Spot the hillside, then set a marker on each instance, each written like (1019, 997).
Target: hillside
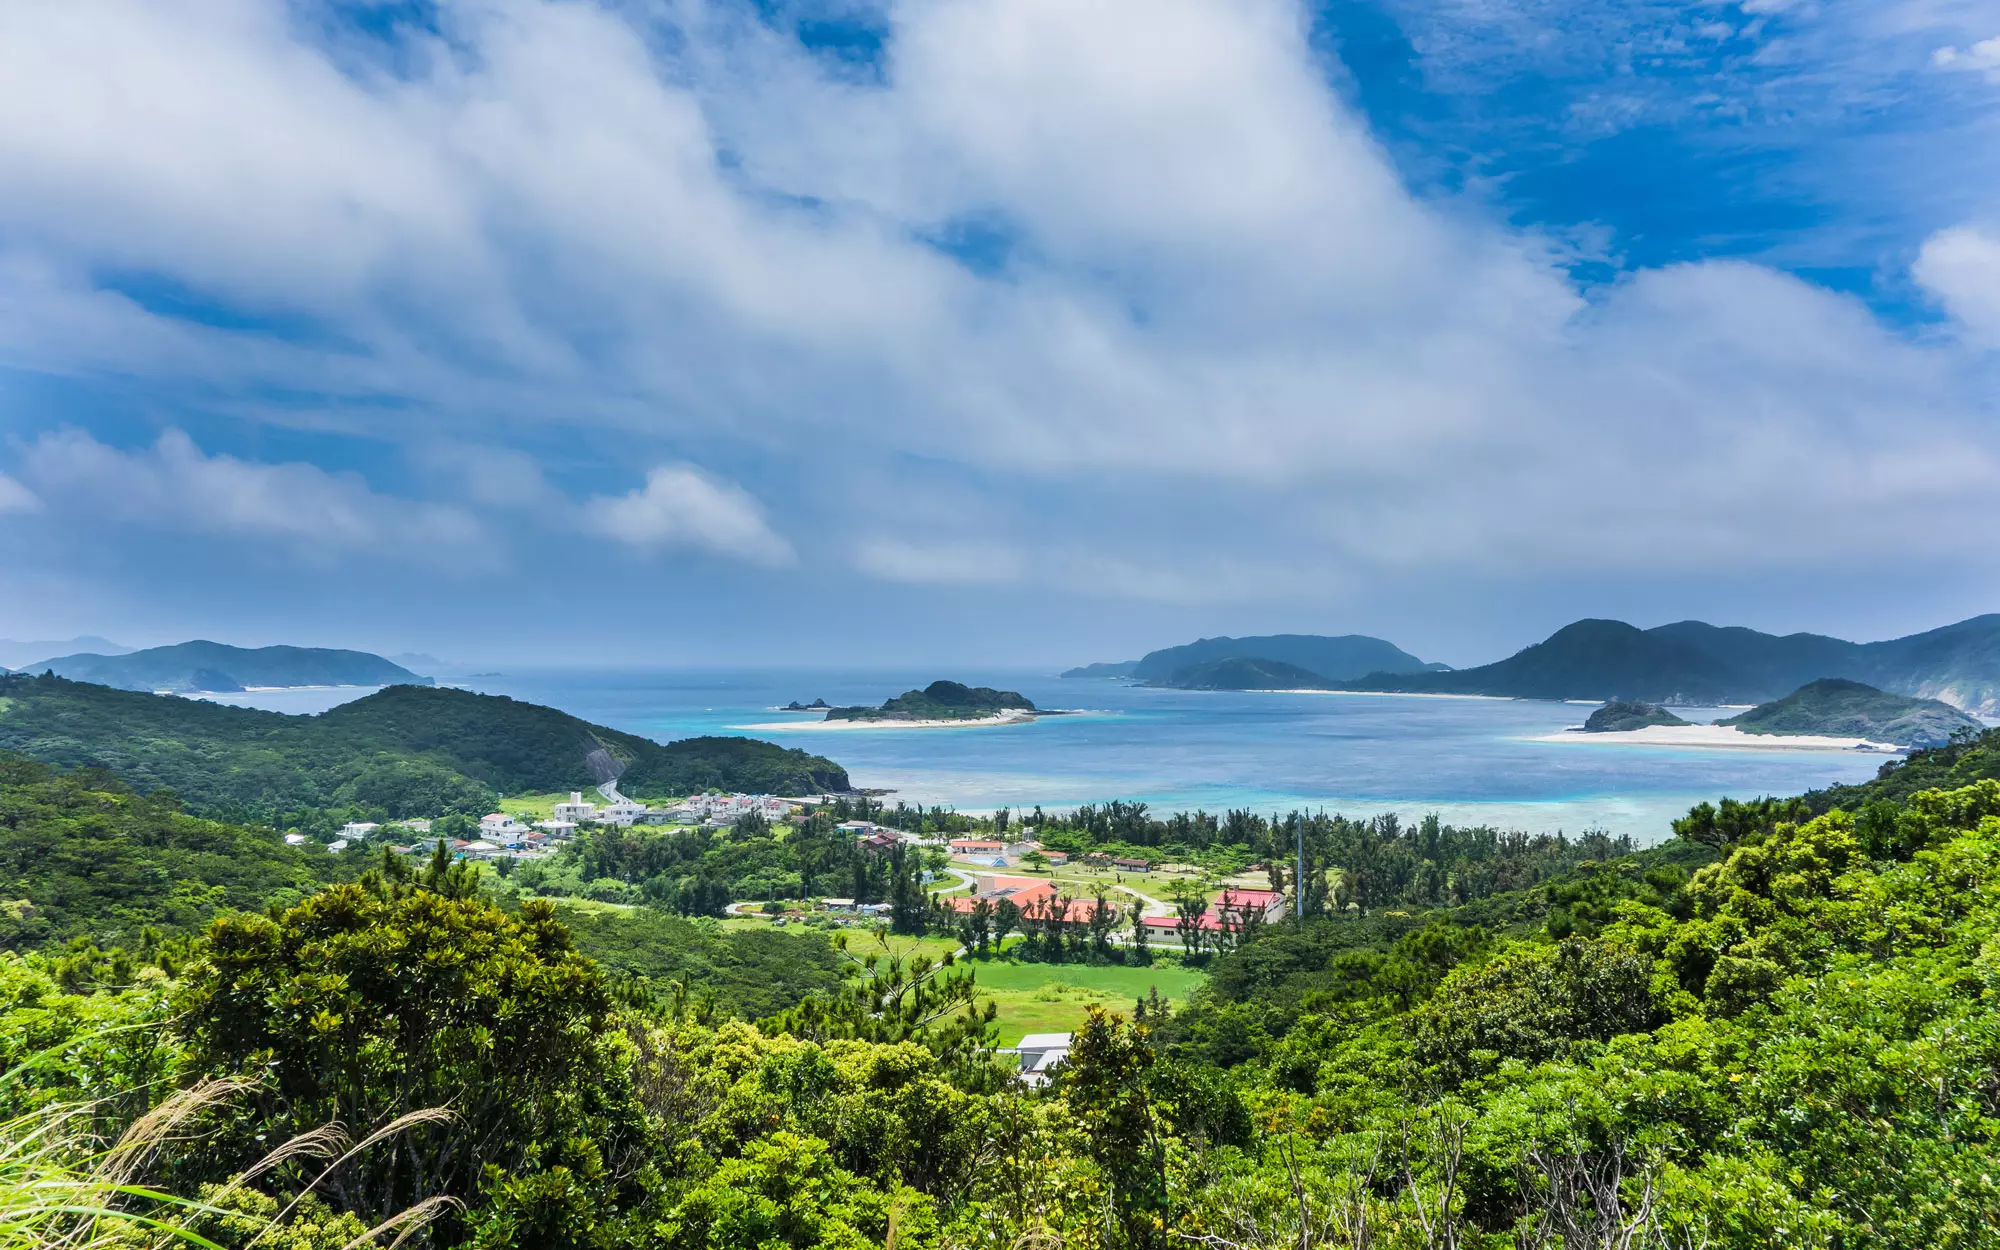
(1622, 715)
(1691, 662)
(941, 700)
(82, 854)
(1340, 658)
(406, 751)
(214, 666)
(1102, 670)
(14, 653)
(1848, 709)
(1241, 673)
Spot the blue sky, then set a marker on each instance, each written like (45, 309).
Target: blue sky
(697, 331)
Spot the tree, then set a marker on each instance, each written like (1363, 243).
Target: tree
(1035, 861)
(1105, 1084)
(368, 1002)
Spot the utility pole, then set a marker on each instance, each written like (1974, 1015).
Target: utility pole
(1299, 876)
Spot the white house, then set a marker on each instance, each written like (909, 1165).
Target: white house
(557, 828)
(623, 812)
(336, 846)
(576, 809)
(500, 825)
(480, 850)
(1039, 1052)
(359, 829)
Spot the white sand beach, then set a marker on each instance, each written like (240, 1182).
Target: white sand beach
(1727, 737)
(796, 726)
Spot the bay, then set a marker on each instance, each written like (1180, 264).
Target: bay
(1471, 761)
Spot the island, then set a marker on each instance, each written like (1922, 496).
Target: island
(1241, 672)
(943, 702)
(817, 705)
(1624, 715)
(1322, 659)
(203, 667)
(1837, 708)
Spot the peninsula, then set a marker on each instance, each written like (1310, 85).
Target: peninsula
(1835, 708)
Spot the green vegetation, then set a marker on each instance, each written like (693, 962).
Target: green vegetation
(941, 700)
(1341, 658)
(1777, 1029)
(213, 666)
(406, 751)
(1848, 709)
(1621, 715)
(1696, 663)
(1241, 672)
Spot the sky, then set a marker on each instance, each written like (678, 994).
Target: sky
(1010, 331)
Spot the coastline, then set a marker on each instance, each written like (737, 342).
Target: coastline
(1721, 737)
(818, 726)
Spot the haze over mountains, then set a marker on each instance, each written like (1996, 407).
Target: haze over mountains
(1689, 662)
(202, 667)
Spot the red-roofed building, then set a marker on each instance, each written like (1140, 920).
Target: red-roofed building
(1234, 909)
(1035, 896)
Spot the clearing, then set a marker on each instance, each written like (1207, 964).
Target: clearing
(1055, 998)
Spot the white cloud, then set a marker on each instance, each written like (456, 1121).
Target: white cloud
(15, 497)
(1209, 285)
(1962, 268)
(682, 508)
(175, 485)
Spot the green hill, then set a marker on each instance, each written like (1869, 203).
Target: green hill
(1692, 662)
(406, 750)
(1848, 709)
(1241, 673)
(941, 700)
(214, 666)
(1339, 658)
(1621, 715)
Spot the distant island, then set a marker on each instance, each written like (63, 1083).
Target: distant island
(1694, 663)
(1322, 659)
(211, 667)
(1625, 715)
(814, 706)
(16, 654)
(1242, 673)
(943, 701)
(1836, 708)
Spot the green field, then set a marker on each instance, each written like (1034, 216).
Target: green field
(1054, 998)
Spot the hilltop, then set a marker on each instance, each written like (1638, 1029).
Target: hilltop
(1241, 673)
(1622, 715)
(1341, 658)
(941, 700)
(202, 666)
(1692, 662)
(1848, 709)
(409, 750)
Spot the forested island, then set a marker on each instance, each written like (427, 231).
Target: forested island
(1314, 659)
(213, 667)
(1848, 709)
(1773, 1029)
(942, 701)
(1625, 715)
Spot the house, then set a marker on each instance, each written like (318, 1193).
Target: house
(479, 850)
(576, 810)
(837, 904)
(1056, 858)
(336, 846)
(358, 829)
(1133, 865)
(500, 825)
(880, 842)
(859, 828)
(557, 828)
(417, 826)
(977, 846)
(624, 813)
(295, 839)
(1040, 1052)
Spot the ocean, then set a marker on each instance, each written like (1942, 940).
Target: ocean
(1472, 761)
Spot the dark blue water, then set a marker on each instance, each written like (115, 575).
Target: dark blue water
(1467, 759)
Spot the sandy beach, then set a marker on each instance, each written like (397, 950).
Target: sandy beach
(795, 726)
(1727, 737)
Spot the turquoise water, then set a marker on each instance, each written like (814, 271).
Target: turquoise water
(1470, 760)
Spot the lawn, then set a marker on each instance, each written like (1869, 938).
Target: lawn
(1055, 998)
(534, 807)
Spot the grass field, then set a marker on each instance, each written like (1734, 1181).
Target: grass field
(1054, 998)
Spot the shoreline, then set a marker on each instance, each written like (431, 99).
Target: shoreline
(1720, 737)
(827, 726)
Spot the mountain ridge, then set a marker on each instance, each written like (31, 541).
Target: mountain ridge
(1330, 657)
(201, 666)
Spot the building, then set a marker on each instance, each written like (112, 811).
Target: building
(1037, 897)
(336, 846)
(295, 839)
(624, 812)
(576, 810)
(1040, 1052)
(1233, 910)
(500, 825)
(859, 828)
(479, 850)
(358, 829)
(1133, 865)
(880, 842)
(560, 829)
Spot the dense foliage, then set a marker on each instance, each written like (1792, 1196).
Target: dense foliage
(941, 700)
(1777, 1030)
(406, 751)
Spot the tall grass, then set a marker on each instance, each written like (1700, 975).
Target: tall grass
(62, 1188)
